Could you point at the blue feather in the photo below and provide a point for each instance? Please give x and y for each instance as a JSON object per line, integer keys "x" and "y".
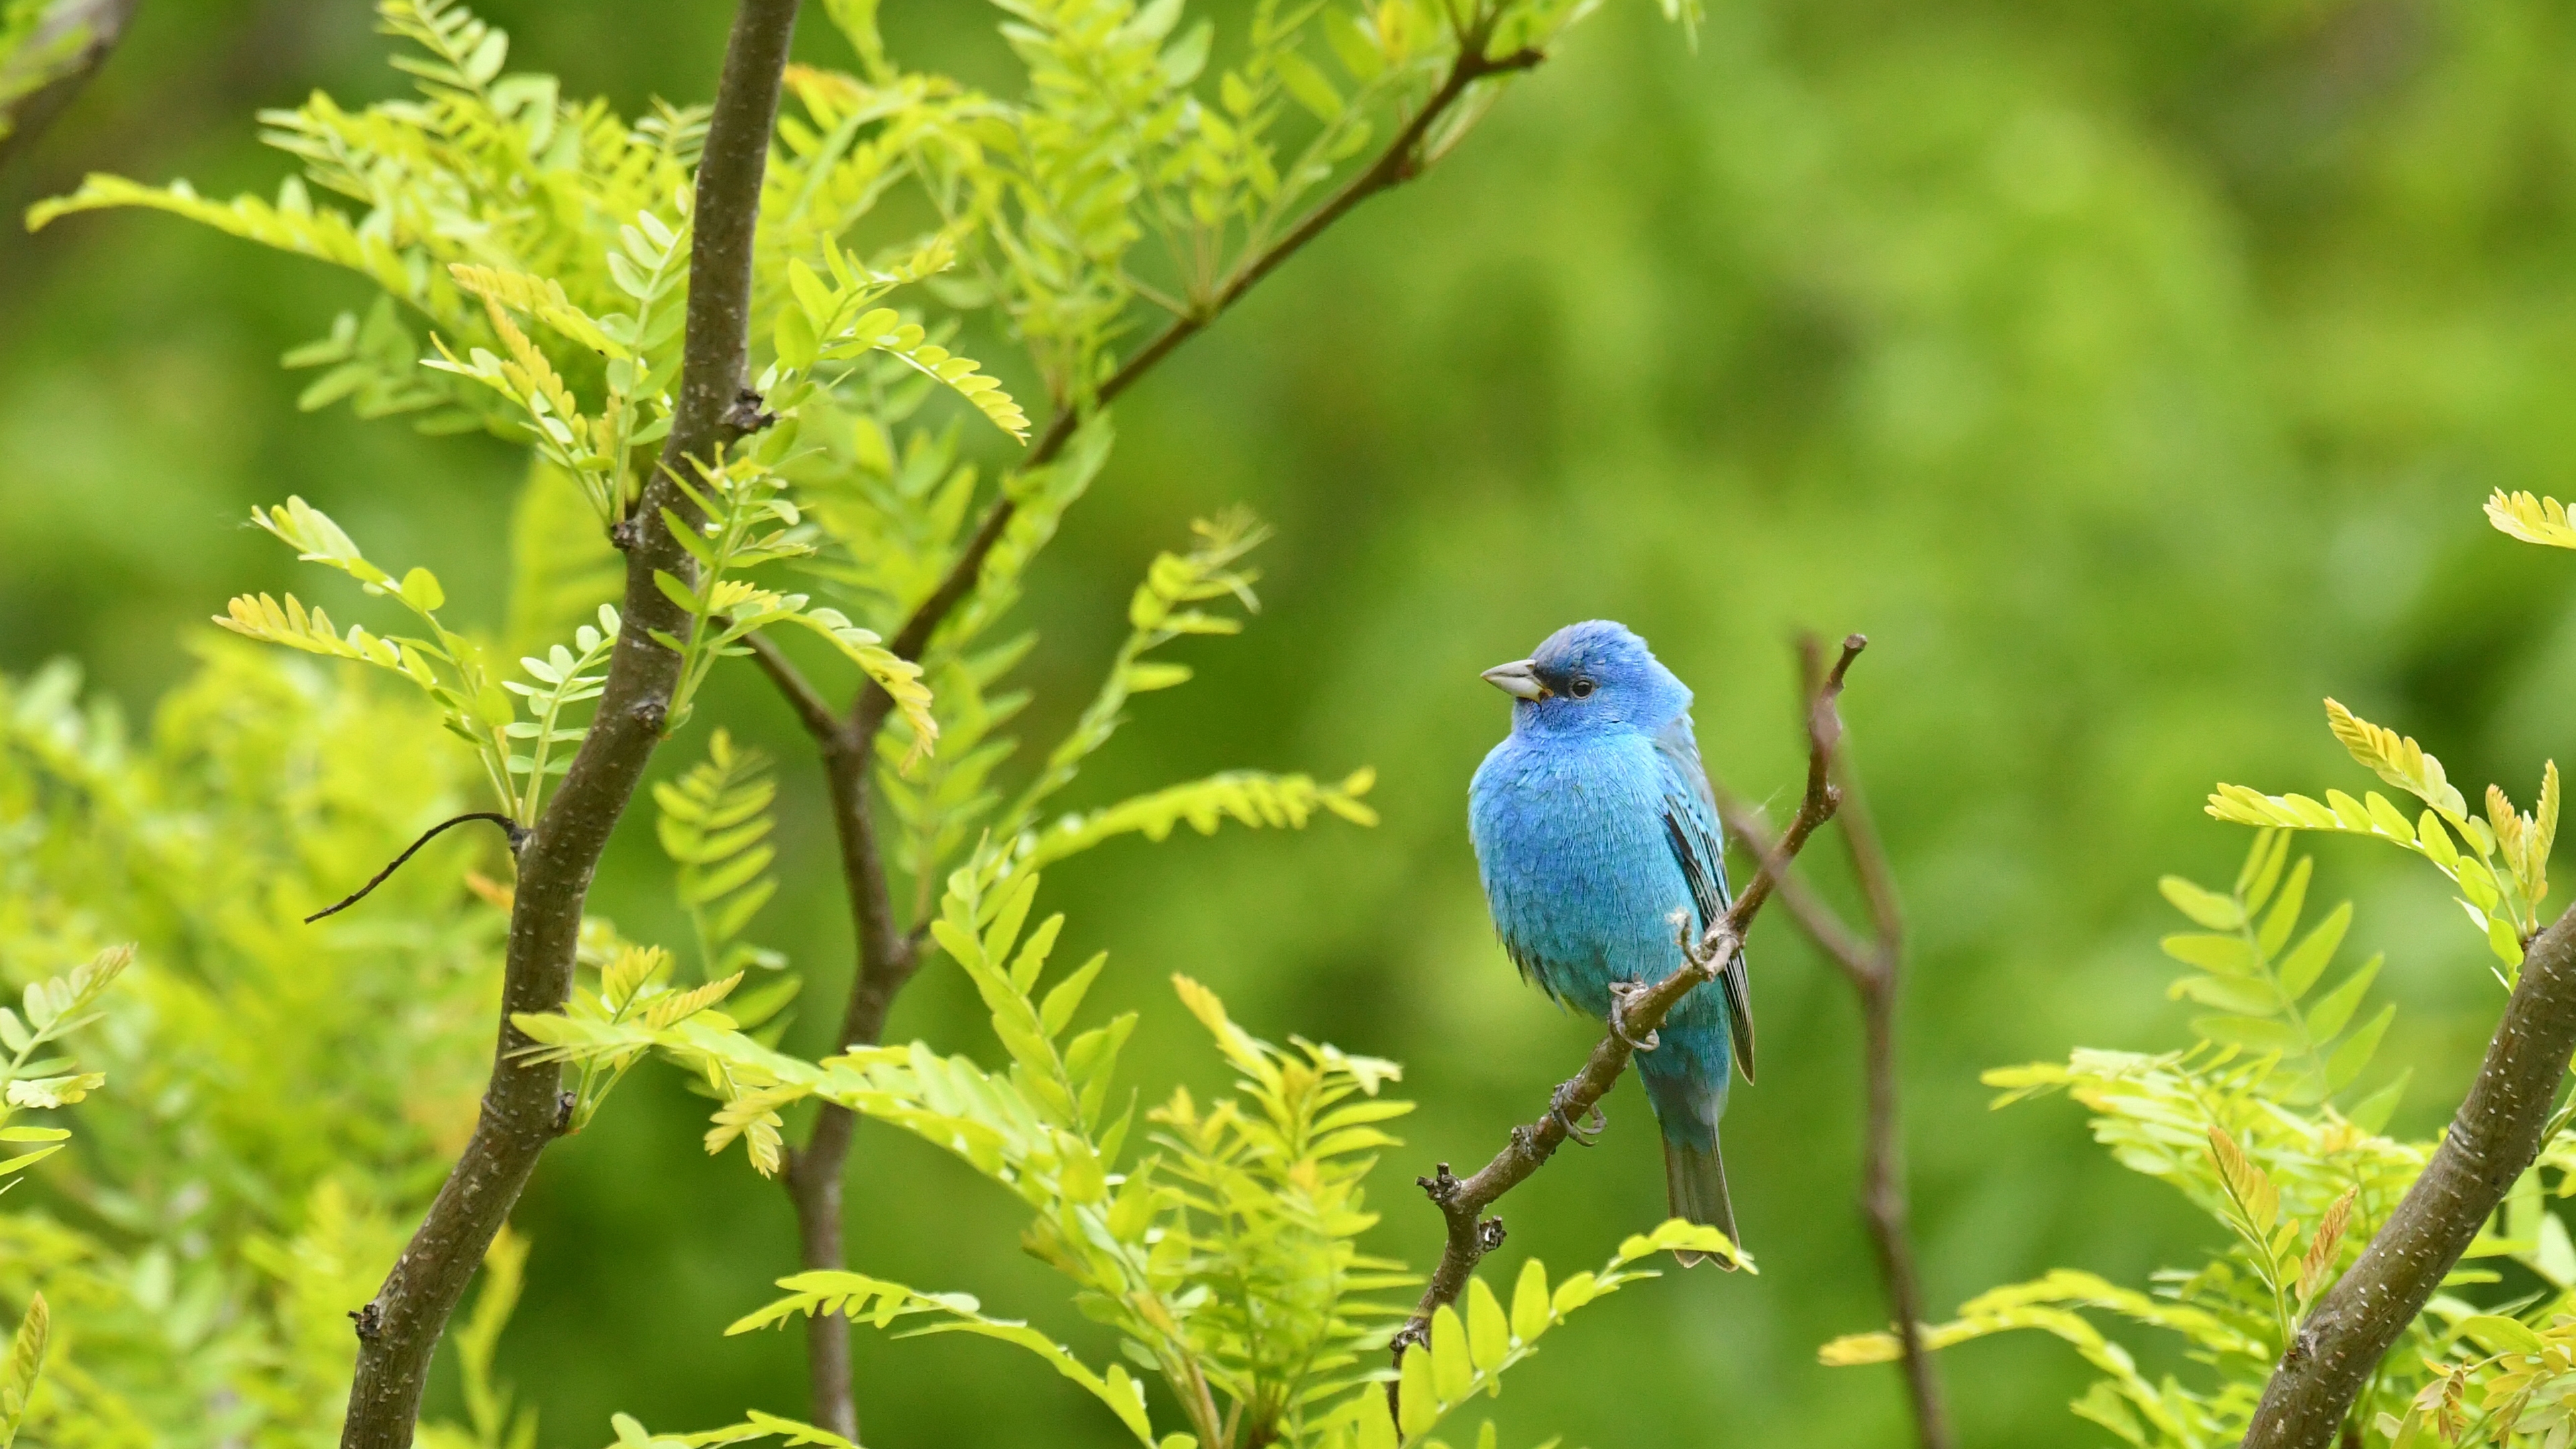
{"x": 1594, "y": 827}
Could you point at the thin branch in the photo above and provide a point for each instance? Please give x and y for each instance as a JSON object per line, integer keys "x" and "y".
{"x": 812, "y": 709}
{"x": 888, "y": 955}
{"x": 1398, "y": 163}
{"x": 523, "y": 1109}
{"x": 518, "y": 836}
{"x": 1872, "y": 966}
{"x": 1462, "y": 1202}
{"x": 813, "y": 1176}
{"x": 1851, "y": 955}
{"x": 2491, "y": 1143}
{"x": 39, "y": 78}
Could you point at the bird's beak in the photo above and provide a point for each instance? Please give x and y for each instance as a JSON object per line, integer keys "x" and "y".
{"x": 1518, "y": 678}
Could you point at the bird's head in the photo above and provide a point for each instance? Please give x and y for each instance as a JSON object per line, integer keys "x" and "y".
{"x": 1590, "y": 678}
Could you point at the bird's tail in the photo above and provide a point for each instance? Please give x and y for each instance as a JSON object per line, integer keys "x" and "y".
{"x": 1695, "y": 1184}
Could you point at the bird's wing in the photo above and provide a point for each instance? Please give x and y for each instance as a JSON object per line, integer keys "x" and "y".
{"x": 1699, "y": 846}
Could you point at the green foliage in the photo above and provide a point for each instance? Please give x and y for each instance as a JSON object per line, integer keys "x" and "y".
{"x": 450, "y": 667}
{"x": 201, "y": 1241}
{"x": 26, "y": 1361}
{"x": 956, "y": 800}
{"x": 529, "y": 257}
{"x": 714, "y": 824}
{"x": 2246, "y": 1124}
{"x": 755, "y": 1425}
{"x": 1224, "y": 1256}
{"x": 54, "y": 1008}
{"x": 748, "y": 522}
{"x": 2265, "y": 988}
{"x": 2504, "y": 875}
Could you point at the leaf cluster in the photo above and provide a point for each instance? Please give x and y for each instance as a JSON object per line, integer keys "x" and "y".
{"x": 2249, "y": 1124}
{"x": 200, "y": 1241}
{"x": 1222, "y": 1252}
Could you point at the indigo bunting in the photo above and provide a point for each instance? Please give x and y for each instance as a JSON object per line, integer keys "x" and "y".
{"x": 1594, "y": 825}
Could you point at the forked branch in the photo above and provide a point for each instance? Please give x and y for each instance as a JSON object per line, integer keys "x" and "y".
{"x": 1463, "y": 1201}
{"x": 1871, "y": 963}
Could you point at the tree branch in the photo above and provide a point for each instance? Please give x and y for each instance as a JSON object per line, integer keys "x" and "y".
{"x": 1872, "y": 966}
{"x": 888, "y": 956}
{"x": 1400, "y": 162}
{"x": 887, "y": 960}
{"x": 812, "y": 709}
{"x": 1462, "y": 1202}
{"x": 41, "y": 75}
{"x": 522, "y": 1107}
{"x": 2491, "y": 1143}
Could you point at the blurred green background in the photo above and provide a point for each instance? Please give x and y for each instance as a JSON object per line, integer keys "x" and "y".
{"x": 2130, "y": 374}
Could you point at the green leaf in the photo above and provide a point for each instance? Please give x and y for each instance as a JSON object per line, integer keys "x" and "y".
{"x": 794, "y": 336}
{"x": 2326, "y": 1020}
{"x": 2371, "y": 1113}
{"x": 1307, "y": 84}
{"x": 420, "y": 589}
{"x": 2299, "y": 970}
{"x": 2205, "y": 907}
{"x": 2223, "y": 955}
{"x": 1530, "y": 1302}
{"x": 2245, "y": 1031}
{"x": 1417, "y": 1402}
{"x": 2283, "y": 918}
{"x": 2499, "y": 1334}
{"x": 1453, "y": 1372}
{"x": 1489, "y": 1334}
{"x": 2249, "y": 996}
{"x": 678, "y": 593}
{"x": 2355, "y": 1053}
{"x": 26, "y": 1360}
{"x": 1056, "y": 1011}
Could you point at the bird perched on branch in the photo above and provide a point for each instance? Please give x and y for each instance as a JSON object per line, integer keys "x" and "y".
{"x": 1594, "y": 826}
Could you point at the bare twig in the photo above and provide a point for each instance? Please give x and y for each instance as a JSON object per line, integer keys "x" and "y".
{"x": 1872, "y": 965}
{"x": 41, "y": 75}
{"x": 518, "y": 836}
{"x": 887, "y": 954}
{"x": 398, "y": 1330}
{"x": 2491, "y": 1143}
{"x": 1463, "y": 1201}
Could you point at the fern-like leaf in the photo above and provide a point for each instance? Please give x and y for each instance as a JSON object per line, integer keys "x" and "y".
{"x": 714, "y": 824}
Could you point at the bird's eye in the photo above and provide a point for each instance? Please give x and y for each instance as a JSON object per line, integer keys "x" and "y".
{"x": 1581, "y": 688}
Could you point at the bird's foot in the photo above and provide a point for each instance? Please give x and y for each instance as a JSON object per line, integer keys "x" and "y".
{"x": 1621, "y": 992}
{"x": 1580, "y": 1136}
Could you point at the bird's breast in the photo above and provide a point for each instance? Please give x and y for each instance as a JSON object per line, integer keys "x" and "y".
{"x": 1577, "y": 870}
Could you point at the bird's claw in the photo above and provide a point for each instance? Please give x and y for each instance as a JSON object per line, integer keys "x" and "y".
{"x": 1620, "y": 994}
{"x": 1580, "y": 1136}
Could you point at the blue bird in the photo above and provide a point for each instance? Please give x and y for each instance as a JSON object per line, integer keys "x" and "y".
{"x": 1594, "y": 825}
